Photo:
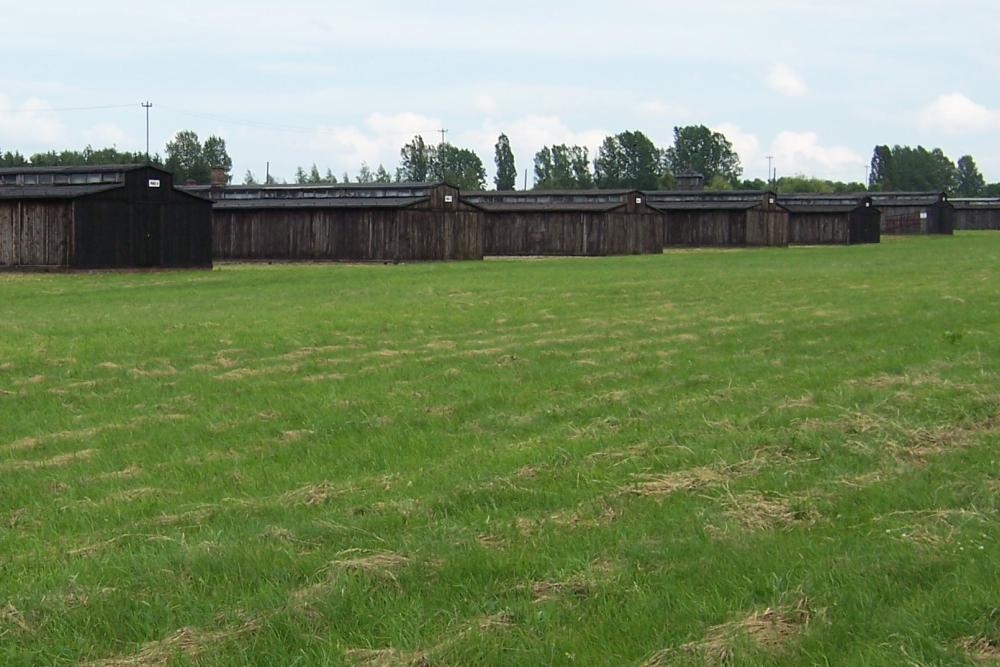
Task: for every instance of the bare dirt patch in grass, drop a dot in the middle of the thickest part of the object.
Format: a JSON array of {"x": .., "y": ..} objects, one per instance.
[{"x": 770, "y": 631}]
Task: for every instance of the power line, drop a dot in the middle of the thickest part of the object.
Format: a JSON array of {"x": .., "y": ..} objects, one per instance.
[
  {"x": 96, "y": 108},
  {"x": 264, "y": 125}
]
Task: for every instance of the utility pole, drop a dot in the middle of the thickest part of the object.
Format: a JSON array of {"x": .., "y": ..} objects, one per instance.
[
  {"x": 525, "y": 179},
  {"x": 147, "y": 105},
  {"x": 267, "y": 173},
  {"x": 769, "y": 158},
  {"x": 443, "y": 132}
]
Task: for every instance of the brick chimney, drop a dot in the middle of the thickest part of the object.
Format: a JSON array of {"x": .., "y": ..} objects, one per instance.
[{"x": 219, "y": 177}]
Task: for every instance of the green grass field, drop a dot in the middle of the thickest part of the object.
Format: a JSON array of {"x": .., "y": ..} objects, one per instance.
[{"x": 782, "y": 456}]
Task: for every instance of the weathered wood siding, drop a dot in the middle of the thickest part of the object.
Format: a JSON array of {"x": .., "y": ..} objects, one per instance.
[
  {"x": 819, "y": 228},
  {"x": 571, "y": 233},
  {"x": 977, "y": 218},
  {"x": 347, "y": 234},
  {"x": 704, "y": 228},
  {"x": 832, "y": 228},
  {"x": 36, "y": 233},
  {"x": 760, "y": 226},
  {"x": 767, "y": 225},
  {"x": 931, "y": 219}
]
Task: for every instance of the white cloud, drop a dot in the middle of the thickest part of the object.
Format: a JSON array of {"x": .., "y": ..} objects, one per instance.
[
  {"x": 956, "y": 114},
  {"x": 784, "y": 80},
  {"x": 32, "y": 122},
  {"x": 802, "y": 153},
  {"x": 746, "y": 145},
  {"x": 664, "y": 110},
  {"x": 793, "y": 153},
  {"x": 527, "y": 135}
]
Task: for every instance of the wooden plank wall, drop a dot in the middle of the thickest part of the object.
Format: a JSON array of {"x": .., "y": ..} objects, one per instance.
[
  {"x": 36, "y": 233},
  {"x": 819, "y": 228},
  {"x": 570, "y": 233},
  {"x": 346, "y": 234},
  {"x": 908, "y": 220},
  {"x": 704, "y": 228},
  {"x": 979, "y": 218},
  {"x": 767, "y": 226}
]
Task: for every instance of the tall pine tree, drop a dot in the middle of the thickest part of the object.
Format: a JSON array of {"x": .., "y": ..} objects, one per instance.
[{"x": 506, "y": 178}]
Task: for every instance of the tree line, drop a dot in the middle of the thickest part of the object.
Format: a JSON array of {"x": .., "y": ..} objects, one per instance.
[
  {"x": 628, "y": 159},
  {"x": 186, "y": 156}
]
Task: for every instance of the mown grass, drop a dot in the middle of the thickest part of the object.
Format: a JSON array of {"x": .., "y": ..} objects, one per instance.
[{"x": 752, "y": 457}]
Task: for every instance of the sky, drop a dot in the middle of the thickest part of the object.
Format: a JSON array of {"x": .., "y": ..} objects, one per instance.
[{"x": 815, "y": 85}]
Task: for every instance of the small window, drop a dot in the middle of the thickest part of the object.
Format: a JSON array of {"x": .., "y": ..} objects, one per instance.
[
  {"x": 45, "y": 179},
  {"x": 111, "y": 177},
  {"x": 93, "y": 178},
  {"x": 77, "y": 179},
  {"x": 60, "y": 179},
  {"x": 31, "y": 179}
]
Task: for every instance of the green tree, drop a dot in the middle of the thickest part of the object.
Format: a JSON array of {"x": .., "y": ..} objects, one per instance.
[
  {"x": 382, "y": 175},
  {"x": 365, "y": 174},
  {"x": 804, "y": 184},
  {"x": 186, "y": 158},
  {"x": 300, "y": 176},
  {"x": 12, "y": 159},
  {"x": 460, "y": 167},
  {"x": 506, "y": 177},
  {"x": 968, "y": 181},
  {"x": 628, "y": 160},
  {"x": 314, "y": 176},
  {"x": 249, "y": 178},
  {"x": 699, "y": 150},
  {"x": 563, "y": 167},
  {"x": 905, "y": 168},
  {"x": 882, "y": 175},
  {"x": 416, "y": 161},
  {"x": 330, "y": 179},
  {"x": 214, "y": 154}
]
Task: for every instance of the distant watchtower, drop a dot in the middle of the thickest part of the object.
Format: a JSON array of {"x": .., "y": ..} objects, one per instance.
[{"x": 689, "y": 182}]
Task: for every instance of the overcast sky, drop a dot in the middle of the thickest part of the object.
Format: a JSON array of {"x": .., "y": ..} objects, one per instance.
[{"x": 815, "y": 84}]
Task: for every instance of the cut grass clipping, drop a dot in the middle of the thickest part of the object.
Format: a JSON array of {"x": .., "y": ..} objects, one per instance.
[{"x": 772, "y": 456}]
